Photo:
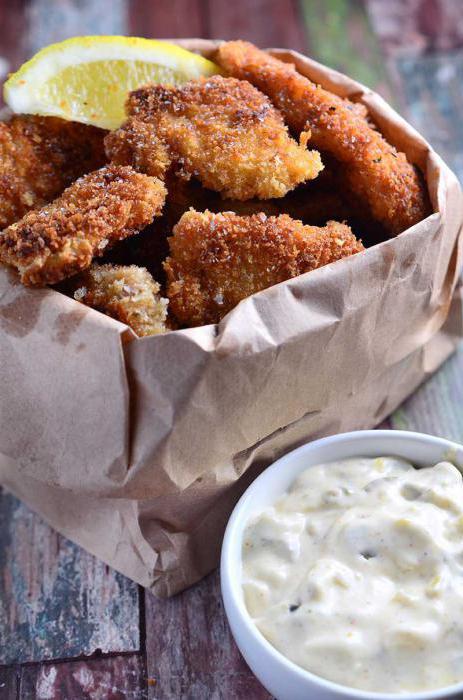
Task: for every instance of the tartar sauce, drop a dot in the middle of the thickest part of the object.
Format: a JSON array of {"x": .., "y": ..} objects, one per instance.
[{"x": 356, "y": 574}]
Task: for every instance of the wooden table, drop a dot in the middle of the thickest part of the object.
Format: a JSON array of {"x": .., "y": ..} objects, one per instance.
[{"x": 71, "y": 628}]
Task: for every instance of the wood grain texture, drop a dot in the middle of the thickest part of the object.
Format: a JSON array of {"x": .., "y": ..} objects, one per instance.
[
  {"x": 167, "y": 19},
  {"x": 437, "y": 407},
  {"x": 113, "y": 678},
  {"x": 48, "y": 22},
  {"x": 190, "y": 651},
  {"x": 267, "y": 23},
  {"x": 9, "y": 683},
  {"x": 12, "y": 46},
  {"x": 56, "y": 600},
  {"x": 433, "y": 101},
  {"x": 417, "y": 26}
]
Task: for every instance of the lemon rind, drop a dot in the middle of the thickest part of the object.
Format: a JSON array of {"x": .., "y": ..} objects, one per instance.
[{"x": 24, "y": 99}]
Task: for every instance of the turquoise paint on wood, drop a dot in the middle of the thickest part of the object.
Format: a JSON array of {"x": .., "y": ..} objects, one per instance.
[{"x": 56, "y": 600}]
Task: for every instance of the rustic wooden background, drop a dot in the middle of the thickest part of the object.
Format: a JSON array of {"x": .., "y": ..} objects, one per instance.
[{"x": 70, "y": 627}]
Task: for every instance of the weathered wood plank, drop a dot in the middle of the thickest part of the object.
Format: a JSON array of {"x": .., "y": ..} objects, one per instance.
[
  {"x": 28, "y": 25},
  {"x": 417, "y": 26},
  {"x": 432, "y": 100},
  {"x": 167, "y": 19},
  {"x": 265, "y": 22},
  {"x": 9, "y": 683},
  {"x": 340, "y": 35},
  {"x": 433, "y": 97},
  {"x": 437, "y": 407},
  {"x": 47, "y": 22},
  {"x": 190, "y": 650},
  {"x": 56, "y": 600},
  {"x": 112, "y": 678},
  {"x": 12, "y": 35}
]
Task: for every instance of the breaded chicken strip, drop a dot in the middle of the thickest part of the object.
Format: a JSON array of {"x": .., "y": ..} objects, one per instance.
[
  {"x": 55, "y": 242},
  {"x": 137, "y": 144},
  {"x": 378, "y": 174},
  {"x": 40, "y": 157},
  {"x": 220, "y": 130},
  {"x": 216, "y": 260},
  {"x": 127, "y": 293}
]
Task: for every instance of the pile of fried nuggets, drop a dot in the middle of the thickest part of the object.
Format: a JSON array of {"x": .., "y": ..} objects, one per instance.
[{"x": 222, "y": 164}]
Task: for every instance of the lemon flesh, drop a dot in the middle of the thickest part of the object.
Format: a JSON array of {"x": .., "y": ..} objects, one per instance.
[{"x": 87, "y": 79}]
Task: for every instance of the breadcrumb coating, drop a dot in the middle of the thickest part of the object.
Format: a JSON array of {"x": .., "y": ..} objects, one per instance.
[
  {"x": 40, "y": 157},
  {"x": 378, "y": 174},
  {"x": 222, "y": 131},
  {"x": 137, "y": 144},
  {"x": 55, "y": 242},
  {"x": 127, "y": 293},
  {"x": 216, "y": 260}
]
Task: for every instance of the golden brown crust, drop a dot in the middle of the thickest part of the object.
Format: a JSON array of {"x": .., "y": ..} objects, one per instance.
[
  {"x": 136, "y": 144},
  {"x": 40, "y": 157},
  {"x": 372, "y": 168},
  {"x": 127, "y": 293},
  {"x": 55, "y": 242},
  {"x": 222, "y": 131},
  {"x": 216, "y": 260},
  {"x": 314, "y": 203}
]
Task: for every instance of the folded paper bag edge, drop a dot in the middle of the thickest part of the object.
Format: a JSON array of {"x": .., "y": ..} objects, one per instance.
[{"x": 269, "y": 383}]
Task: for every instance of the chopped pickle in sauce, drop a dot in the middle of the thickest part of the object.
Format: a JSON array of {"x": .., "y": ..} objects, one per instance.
[{"x": 356, "y": 574}]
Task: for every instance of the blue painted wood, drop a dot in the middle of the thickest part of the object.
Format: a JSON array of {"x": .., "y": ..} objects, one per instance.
[
  {"x": 433, "y": 96},
  {"x": 47, "y": 22},
  {"x": 56, "y": 600},
  {"x": 433, "y": 102},
  {"x": 9, "y": 683}
]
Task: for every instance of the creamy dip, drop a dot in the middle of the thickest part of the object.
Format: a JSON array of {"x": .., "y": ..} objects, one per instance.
[{"x": 356, "y": 574}]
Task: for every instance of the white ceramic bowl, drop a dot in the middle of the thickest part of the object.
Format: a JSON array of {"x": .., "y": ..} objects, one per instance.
[{"x": 282, "y": 678}]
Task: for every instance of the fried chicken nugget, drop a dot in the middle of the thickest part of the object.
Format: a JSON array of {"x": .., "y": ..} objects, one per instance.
[
  {"x": 55, "y": 242},
  {"x": 221, "y": 130},
  {"x": 137, "y": 144},
  {"x": 40, "y": 157},
  {"x": 216, "y": 260},
  {"x": 372, "y": 168},
  {"x": 127, "y": 293}
]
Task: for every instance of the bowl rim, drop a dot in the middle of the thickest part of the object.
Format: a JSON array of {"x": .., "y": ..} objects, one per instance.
[{"x": 230, "y": 580}]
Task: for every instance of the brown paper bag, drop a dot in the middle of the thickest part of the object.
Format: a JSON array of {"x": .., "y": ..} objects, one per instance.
[{"x": 137, "y": 449}]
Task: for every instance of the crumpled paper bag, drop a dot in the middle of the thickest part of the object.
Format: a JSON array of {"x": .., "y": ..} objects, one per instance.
[{"x": 137, "y": 449}]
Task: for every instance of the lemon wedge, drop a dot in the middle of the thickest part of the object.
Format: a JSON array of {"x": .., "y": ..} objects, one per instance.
[{"x": 86, "y": 79}]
